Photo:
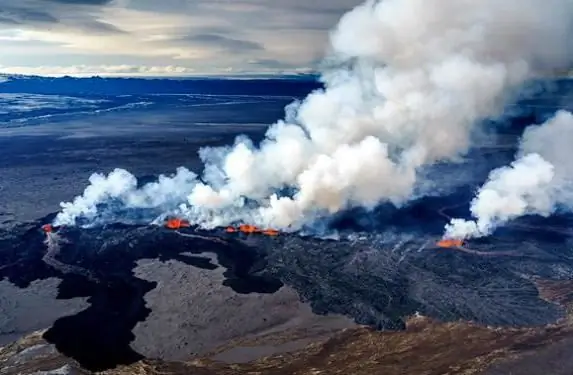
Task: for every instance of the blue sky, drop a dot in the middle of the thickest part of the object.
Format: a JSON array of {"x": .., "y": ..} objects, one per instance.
[{"x": 165, "y": 37}]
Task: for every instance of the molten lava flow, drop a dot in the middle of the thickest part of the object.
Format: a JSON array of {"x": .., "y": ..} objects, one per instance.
[
  {"x": 176, "y": 223},
  {"x": 249, "y": 229},
  {"x": 450, "y": 243},
  {"x": 246, "y": 228},
  {"x": 271, "y": 232},
  {"x": 48, "y": 228}
]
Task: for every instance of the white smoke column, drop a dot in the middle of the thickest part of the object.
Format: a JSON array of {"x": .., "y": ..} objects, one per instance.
[
  {"x": 408, "y": 81},
  {"x": 537, "y": 183},
  {"x": 121, "y": 187},
  {"x": 510, "y": 192},
  {"x": 414, "y": 78}
]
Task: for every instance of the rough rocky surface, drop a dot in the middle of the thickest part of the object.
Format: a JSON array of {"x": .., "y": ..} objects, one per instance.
[
  {"x": 425, "y": 347},
  {"x": 209, "y": 315},
  {"x": 19, "y": 308}
]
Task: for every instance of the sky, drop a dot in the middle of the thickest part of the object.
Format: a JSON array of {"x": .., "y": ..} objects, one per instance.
[{"x": 165, "y": 37}]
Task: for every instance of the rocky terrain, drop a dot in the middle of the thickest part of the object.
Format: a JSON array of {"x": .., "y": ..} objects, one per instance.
[{"x": 425, "y": 347}]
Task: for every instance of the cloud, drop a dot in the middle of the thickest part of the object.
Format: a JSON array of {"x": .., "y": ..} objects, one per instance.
[
  {"x": 17, "y": 16},
  {"x": 270, "y": 63},
  {"x": 205, "y": 35},
  {"x": 82, "y": 2},
  {"x": 103, "y": 70},
  {"x": 262, "y": 67},
  {"x": 223, "y": 42},
  {"x": 49, "y": 13}
]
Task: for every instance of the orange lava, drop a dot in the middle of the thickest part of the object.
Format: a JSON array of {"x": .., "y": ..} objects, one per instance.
[
  {"x": 450, "y": 243},
  {"x": 176, "y": 223},
  {"x": 48, "y": 228},
  {"x": 271, "y": 232},
  {"x": 249, "y": 229},
  {"x": 246, "y": 228}
]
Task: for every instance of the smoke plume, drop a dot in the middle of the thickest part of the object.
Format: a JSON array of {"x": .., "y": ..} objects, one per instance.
[
  {"x": 538, "y": 182},
  {"x": 406, "y": 83}
]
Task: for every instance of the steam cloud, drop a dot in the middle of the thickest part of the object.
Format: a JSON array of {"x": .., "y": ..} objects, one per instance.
[
  {"x": 538, "y": 182},
  {"x": 408, "y": 80}
]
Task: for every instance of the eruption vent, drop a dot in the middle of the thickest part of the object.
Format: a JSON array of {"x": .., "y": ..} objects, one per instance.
[
  {"x": 450, "y": 243},
  {"x": 406, "y": 83},
  {"x": 538, "y": 182},
  {"x": 176, "y": 223}
]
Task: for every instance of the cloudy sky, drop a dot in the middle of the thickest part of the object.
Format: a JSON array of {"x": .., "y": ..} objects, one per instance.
[{"x": 157, "y": 37}]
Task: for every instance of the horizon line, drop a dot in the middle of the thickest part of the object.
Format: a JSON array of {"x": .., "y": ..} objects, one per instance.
[{"x": 165, "y": 76}]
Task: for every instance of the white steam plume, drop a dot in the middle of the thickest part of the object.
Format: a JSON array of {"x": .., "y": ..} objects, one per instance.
[
  {"x": 120, "y": 188},
  {"x": 537, "y": 183},
  {"x": 410, "y": 80}
]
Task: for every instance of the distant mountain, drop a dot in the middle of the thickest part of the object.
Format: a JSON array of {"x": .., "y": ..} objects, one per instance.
[{"x": 295, "y": 85}]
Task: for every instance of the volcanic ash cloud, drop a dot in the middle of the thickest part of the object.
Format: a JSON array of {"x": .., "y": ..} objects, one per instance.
[
  {"x": 538, "y": 182},
  {"x": 406, "y": 82}
]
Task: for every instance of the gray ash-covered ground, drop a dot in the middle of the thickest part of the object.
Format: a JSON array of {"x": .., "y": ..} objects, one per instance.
[{"x": 384, "y": 268}]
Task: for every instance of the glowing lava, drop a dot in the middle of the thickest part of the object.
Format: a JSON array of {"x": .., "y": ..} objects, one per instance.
[
  {"x": 47, "y": 228},
  {"x": 270, "y": 232},
  {"x": 450, "y": 243},
  {"x": 176, "y": 223},
  {"x": 246, "y": 228},
  {"x": 250, "y": 229}
]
